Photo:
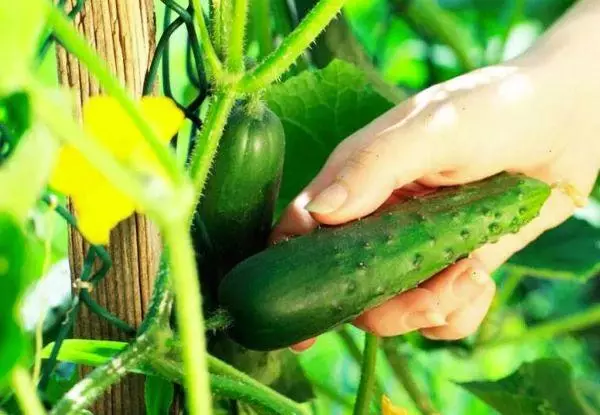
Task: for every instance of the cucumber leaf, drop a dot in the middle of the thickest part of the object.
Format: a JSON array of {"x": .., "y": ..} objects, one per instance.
[
  {"x": 86, "y": 352},
  {"x": 158, "y": 395},
  {"x": 319, "y": 109},
  {"x": 543, "y": 387},
  {"x": 569, "y": 251}
]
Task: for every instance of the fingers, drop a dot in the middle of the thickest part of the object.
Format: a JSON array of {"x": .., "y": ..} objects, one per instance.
[
  {"x": 303, "y": 345},
  {"x": 406, "y": 312},
  {"x": 464, "y": 321},
  {"x": 369, "y": 175},
  {"x": 431, "y": 304}
]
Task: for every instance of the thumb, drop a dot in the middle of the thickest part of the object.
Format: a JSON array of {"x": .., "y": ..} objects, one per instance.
[{"x": 370, "y": 173}]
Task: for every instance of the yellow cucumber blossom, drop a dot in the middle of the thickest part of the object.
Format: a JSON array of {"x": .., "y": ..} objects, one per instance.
[
  {"x": 99, "y": 205},
  {"x": 388, "y": 408}
]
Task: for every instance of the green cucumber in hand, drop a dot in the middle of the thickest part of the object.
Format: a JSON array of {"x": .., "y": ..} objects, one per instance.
[{"x": 310, "y": 284}]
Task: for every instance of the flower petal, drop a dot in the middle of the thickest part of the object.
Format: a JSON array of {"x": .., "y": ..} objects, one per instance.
[{"x": 163, "y": 115}]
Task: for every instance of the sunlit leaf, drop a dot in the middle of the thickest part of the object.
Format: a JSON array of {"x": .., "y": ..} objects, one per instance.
[
  {"x": 318, "y": 110},
  {"x": 541, "y": 387},
  {"x": 569, "y": 251}
]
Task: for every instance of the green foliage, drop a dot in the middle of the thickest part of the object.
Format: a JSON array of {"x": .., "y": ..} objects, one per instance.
[
  {"x": 319, "y": 109},
  {"x": 569, "y": 251},
  {"x": 542, "y": 387},
  {"x": 86, "y": 352},
  {"x": 22, "y": 24},
  {"x": 158, "y": 395}
]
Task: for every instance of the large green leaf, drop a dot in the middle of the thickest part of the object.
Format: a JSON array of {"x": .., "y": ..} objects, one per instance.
[
  {"x": 569, "y": 251},
  {"x": 318, "y": 110},
  {"x": 541, "y": 387}
]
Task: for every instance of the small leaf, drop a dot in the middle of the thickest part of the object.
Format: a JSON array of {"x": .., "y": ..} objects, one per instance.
[
  {"x": 570, "y": 251},
  {"x": 543, "y": 387},
  {"x": 86, "y": 352},
  {"x": 319, "y": 109},
  {"x": 158, "y": 395}
]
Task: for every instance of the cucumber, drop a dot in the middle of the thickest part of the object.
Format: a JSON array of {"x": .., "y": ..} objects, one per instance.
[
  {"x": 312, "y": 283},
  {"x": 235, "y": 214}
]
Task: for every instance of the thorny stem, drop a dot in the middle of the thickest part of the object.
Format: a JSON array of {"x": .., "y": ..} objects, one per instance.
[
  {"x": 208, "y": 141},
  {"x": 290, "y": 49},
  {"x": 229, "y": 382},
  {"x": 235, "y": 50},
  {"x": 367, "y": 375},
  {"x": 25, "y": 392},
  {"x": 69, "y": 37},
  {"x": 84, "y": 393},
  {"x": 211, "y": 60},
  {"x": 184, "y": 279}
]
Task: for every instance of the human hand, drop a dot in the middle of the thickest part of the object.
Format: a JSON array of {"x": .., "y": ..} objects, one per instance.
[{"x": 502, "y": 118}]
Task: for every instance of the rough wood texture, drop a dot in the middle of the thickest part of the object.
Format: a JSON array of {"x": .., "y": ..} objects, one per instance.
[{"x": 123, "y": 33}]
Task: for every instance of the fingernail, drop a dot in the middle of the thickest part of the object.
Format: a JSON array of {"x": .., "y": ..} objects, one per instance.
[
  {"x": 328, "y": 200},
  {"x": 469, "y": 284},
  {"x": 424, "y": 319}
]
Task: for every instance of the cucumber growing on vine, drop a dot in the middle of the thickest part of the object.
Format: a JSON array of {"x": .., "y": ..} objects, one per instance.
[
  {"x": 312, "y": 283},
  {"x": 235, "y": 214}
]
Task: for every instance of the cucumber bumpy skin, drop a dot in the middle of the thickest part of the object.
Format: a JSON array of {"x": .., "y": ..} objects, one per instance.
[{"x": 307, "y": 285}]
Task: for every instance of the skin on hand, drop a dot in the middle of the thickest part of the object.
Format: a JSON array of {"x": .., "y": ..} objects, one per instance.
[{"x": 511, "y": 117}]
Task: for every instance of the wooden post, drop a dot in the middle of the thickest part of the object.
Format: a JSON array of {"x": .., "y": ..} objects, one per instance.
[{"x": 123, "y": 33}]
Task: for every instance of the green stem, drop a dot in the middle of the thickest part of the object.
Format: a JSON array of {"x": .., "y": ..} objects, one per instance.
[
  {"x": 587, "y": 318},
  {"x": 208, "y": 141},
  {"x": 86, "y": 391},
  {"x": 367, "y": 375},
  {"x": 216, "y": 25},
  {"x": 184, "y": 279},
  {"x": 232, "y": 389},
  {"x": 70, "y": 38},
  {"x": 277, "y": 62},
  {"x": 211, "y": 60},
  {"x": 512, "y": 281},
  {"x": 261, "y": 13},
  {"x": 490, "y": 325},
  {"x": 399, "y": 365},
  {"x": 228, "y": 382},
  {"x": 235, "y": 50},
  {"x": 25, "y": 392},
  {"x": 441, "y": 26},
  {"x": 357, "y": 355}
]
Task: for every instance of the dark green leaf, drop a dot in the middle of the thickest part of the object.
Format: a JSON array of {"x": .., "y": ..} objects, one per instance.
[
  {"x": 63, "y": 378},
  {"x": 569, "y": 251},
  {"x": 541, "y": 387},
  {"x": 318, "y": 110},
  {"x": 15, "y": 116},
  {"x": 158, "y": 395}
]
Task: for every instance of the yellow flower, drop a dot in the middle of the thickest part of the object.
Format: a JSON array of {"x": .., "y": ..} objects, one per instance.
[
  {"x": 99, "y": 206},
  {"x": 388, "y": 408}
]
